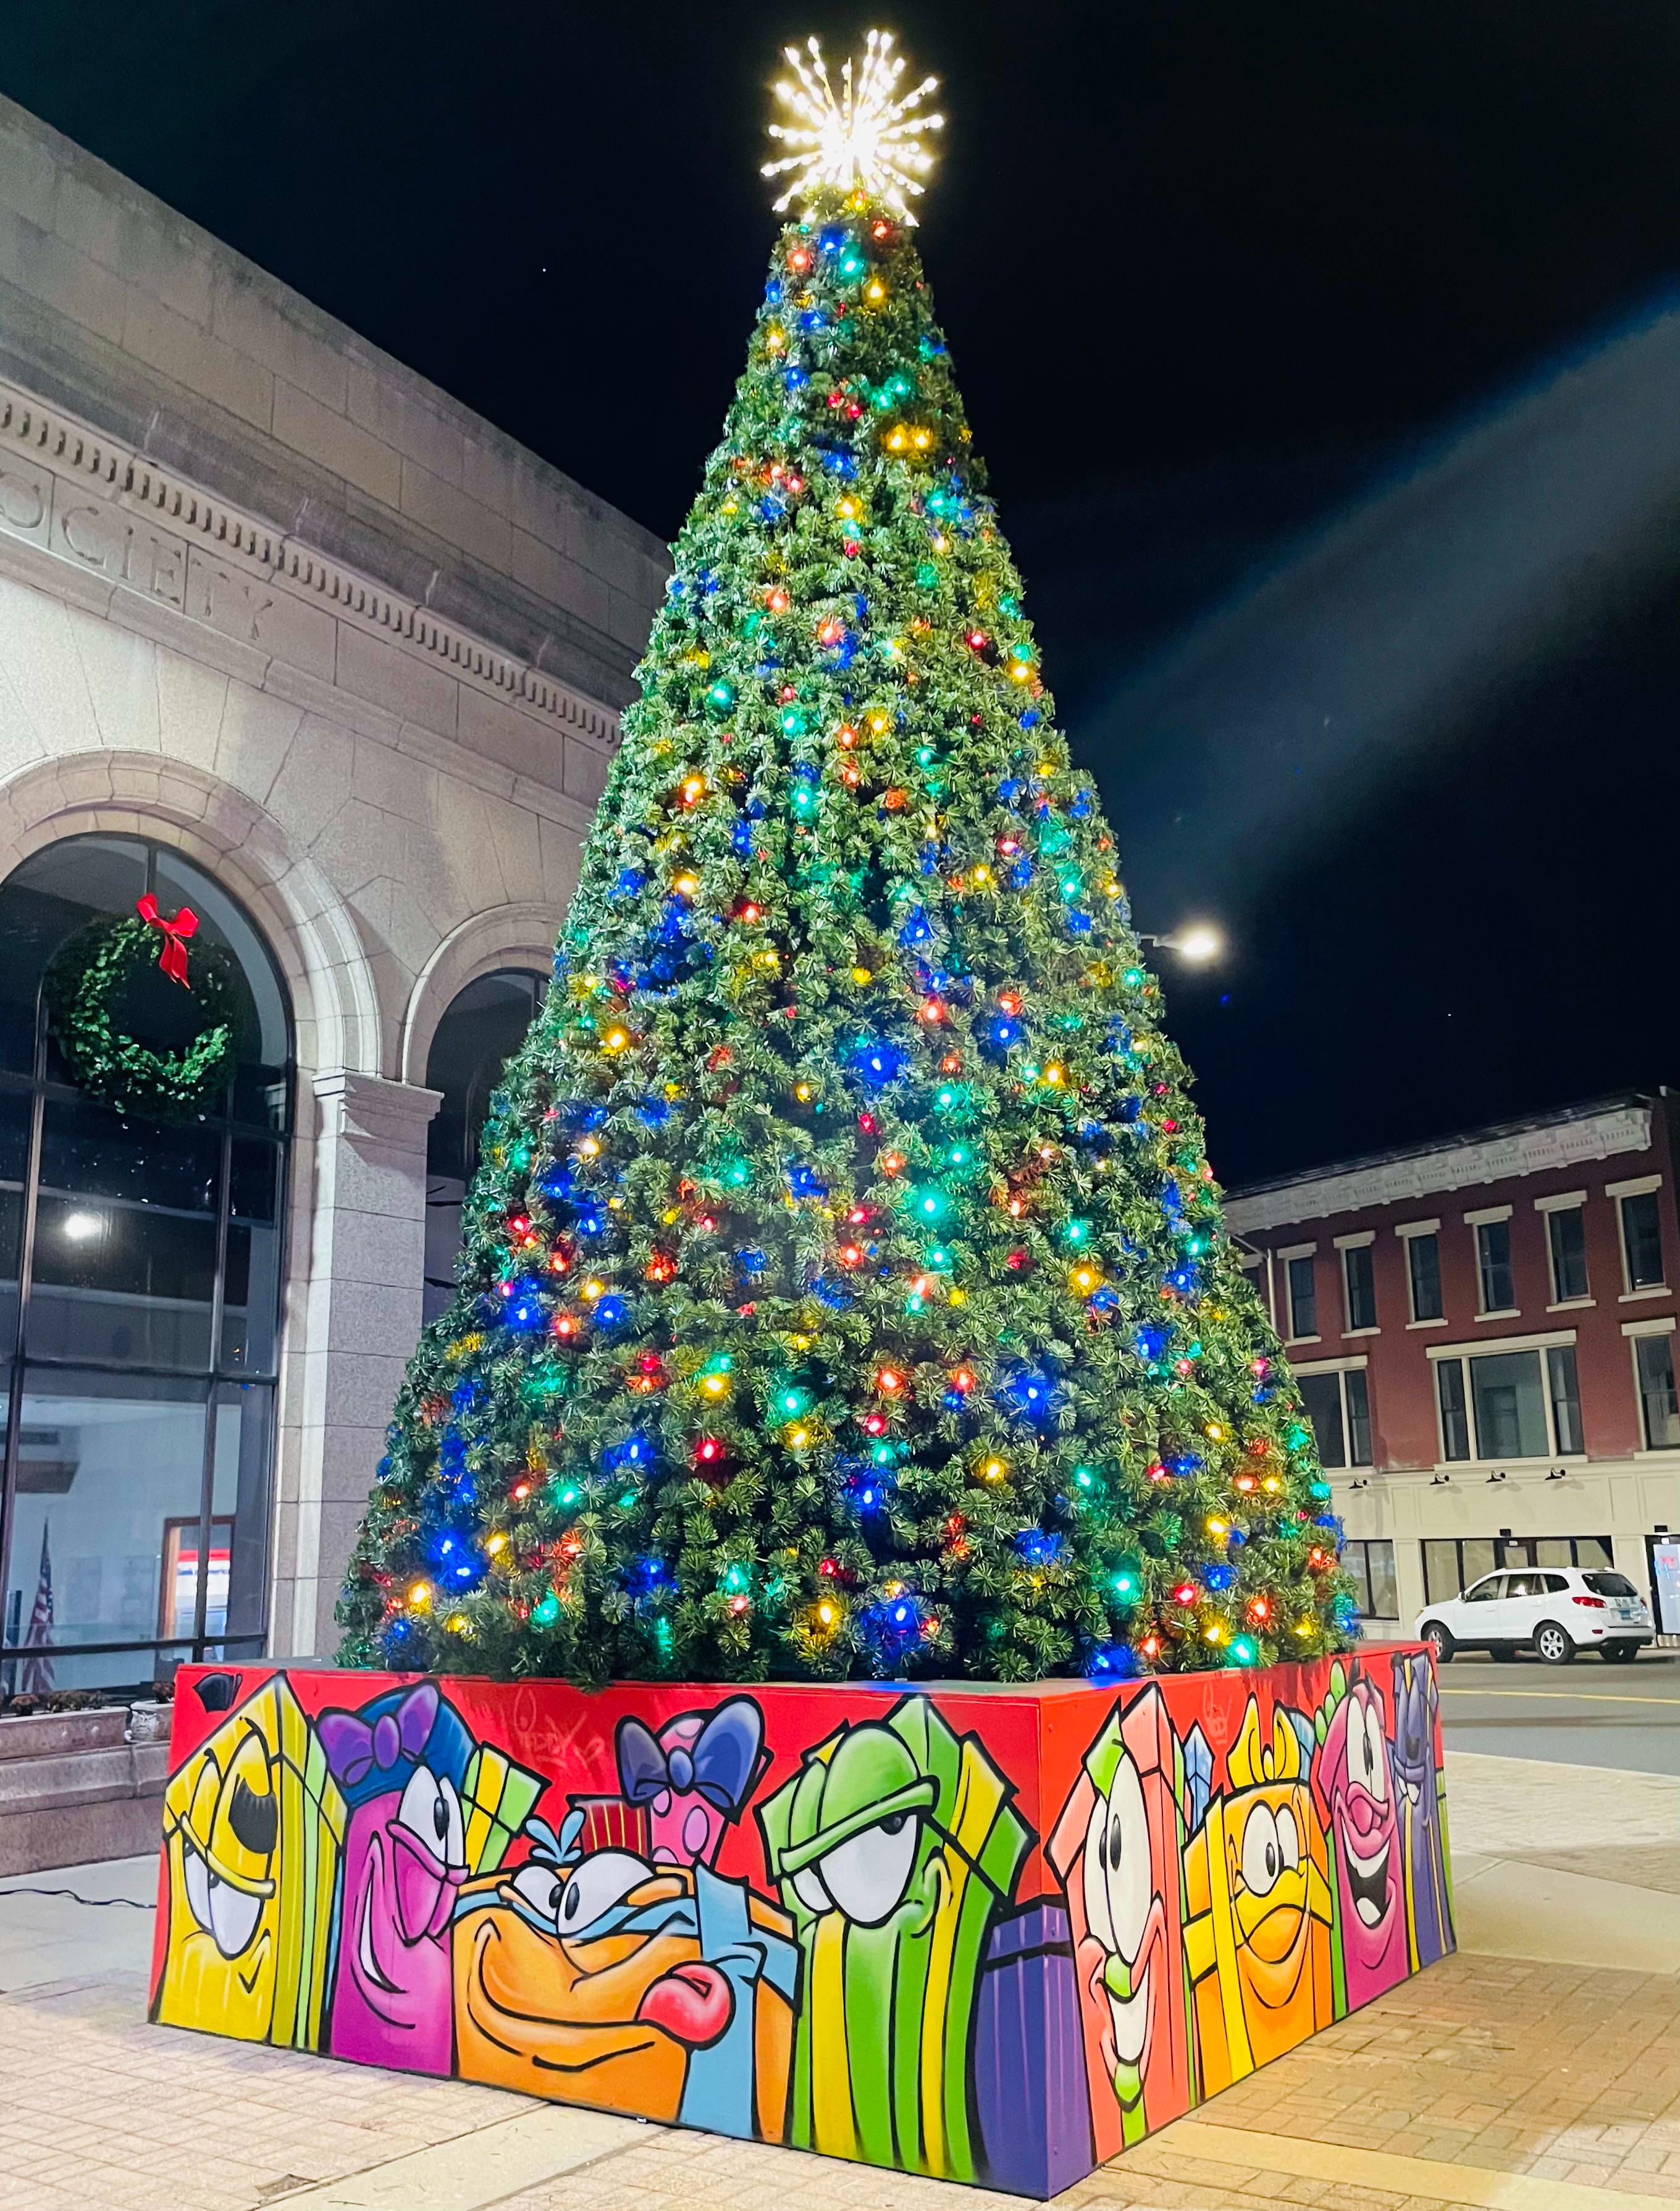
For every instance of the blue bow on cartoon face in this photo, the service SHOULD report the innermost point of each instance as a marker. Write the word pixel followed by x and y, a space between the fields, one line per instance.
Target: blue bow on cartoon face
pixel 720 1765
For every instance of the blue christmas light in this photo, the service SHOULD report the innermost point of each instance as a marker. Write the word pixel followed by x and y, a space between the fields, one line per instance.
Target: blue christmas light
pixel 1112 1661
pixel 805 1182
pixel 524 1305
pixel 917 929
pixel 1039 1547
pixel 1029 1394
pixel 612 1312
pixel 877 1061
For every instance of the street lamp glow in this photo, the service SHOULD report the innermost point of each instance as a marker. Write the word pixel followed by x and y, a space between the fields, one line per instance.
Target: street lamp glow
pixel 1200 942
pixel 79 1227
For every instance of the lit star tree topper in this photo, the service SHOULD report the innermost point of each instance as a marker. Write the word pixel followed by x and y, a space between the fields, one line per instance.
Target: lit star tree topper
pixel 870 137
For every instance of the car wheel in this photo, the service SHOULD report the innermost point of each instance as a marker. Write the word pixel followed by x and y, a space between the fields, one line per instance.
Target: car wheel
pixel 1553 1643
pixel 1619 1654
pixel 1439 1640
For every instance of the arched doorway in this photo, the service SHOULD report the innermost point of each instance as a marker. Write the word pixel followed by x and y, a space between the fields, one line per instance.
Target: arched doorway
pixel 481 1028
pixel 140 1281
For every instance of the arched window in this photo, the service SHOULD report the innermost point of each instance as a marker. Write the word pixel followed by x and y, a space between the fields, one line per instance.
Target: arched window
pixel 482 1026
pixel 140 1277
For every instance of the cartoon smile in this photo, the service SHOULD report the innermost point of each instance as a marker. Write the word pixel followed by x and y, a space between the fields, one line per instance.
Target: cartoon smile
pixel 1367 1880
pixel 372 1972
pixel 1131 2018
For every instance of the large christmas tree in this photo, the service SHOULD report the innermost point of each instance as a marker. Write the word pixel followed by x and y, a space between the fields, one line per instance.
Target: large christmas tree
pixel 844 1288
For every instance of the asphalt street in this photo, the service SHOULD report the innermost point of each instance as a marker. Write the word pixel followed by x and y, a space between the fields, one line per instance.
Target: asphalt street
pixel 1586 1714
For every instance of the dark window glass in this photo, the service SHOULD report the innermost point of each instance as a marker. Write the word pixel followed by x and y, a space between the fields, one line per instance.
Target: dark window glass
pixel 1321 1394
pixel 1566 1399
pixel 1487 1591
pixel 1384 1589
pixel 1303 1299
pixel 1454 1420
pixel 1642 1240
pixel 482 1028
pixel 1510 1411
pixel 1359 1417
pixel 1608 1585
pixel 1566 1234
pixel 1424 1267
pixel 1361 1286
pixel 1654 1358
pixel 137 1522
pixel 1493 1260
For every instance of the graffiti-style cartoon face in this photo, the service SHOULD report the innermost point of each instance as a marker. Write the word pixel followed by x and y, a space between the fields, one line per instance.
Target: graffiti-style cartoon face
pixel 1262 1959
pixel 1354 1782
pixel 693 1777
pixel 894 1846
pixel 251 1830
pixel 616 1981
pixel 1423 1809
pixel 427 1808
pixel 1118 1848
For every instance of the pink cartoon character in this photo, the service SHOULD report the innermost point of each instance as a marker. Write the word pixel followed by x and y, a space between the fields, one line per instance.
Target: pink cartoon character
pixel 1353 1779
pixel 693 1778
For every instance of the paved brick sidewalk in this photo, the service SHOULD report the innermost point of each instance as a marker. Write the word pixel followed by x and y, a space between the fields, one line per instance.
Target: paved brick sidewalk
pixel 1493 2083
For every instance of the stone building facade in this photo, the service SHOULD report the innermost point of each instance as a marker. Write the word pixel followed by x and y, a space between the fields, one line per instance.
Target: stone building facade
pixel 280 620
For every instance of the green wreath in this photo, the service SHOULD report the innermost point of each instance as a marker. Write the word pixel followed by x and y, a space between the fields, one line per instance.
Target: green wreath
pixel 84 980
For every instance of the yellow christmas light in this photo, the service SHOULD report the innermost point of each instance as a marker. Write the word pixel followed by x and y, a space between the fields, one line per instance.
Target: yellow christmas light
pixel 871 135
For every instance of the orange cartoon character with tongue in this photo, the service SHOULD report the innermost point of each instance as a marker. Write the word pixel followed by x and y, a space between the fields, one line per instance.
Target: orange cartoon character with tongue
pixel 1258 1940
pixel 664 1991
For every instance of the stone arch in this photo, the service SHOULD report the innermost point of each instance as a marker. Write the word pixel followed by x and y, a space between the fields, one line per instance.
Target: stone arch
pixel 309 928
pixel 514 936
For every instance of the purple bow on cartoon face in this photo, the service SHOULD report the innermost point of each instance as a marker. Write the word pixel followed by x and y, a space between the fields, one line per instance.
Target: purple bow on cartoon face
pixel 355 1747
pixel 719 1765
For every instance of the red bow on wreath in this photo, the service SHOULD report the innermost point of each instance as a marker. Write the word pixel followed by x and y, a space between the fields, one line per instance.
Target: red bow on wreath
pixel 172 958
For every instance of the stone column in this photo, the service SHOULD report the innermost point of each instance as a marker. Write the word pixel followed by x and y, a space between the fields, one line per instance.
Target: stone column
pixel 355 1317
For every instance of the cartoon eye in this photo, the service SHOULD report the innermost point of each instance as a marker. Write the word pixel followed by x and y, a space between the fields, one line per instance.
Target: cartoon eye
pixel 599 1882
pixel 1126 1860
pixel 233 1917
pixel 1289 1838
pixel 808 1888
pixel 1097 1917
pixel 1262 1854
pixel 868 1874
pixel 541 1888
pixel 430 1810
pixel 1376 1754
pixel 196 1876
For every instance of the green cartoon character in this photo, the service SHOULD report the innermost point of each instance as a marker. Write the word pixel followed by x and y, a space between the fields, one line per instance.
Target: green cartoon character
pixel 895 1847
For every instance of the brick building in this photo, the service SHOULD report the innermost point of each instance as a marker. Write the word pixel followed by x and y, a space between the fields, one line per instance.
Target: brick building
pixel 1483 1332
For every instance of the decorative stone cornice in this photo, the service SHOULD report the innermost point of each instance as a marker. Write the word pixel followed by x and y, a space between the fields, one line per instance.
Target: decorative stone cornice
pixel 1455 1166
pixel 70 448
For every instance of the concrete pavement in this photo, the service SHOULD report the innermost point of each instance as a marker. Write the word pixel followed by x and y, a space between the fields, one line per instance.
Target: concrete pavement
pixel 1539 2070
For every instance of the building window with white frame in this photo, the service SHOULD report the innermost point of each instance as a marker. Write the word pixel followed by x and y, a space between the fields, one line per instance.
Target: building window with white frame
pixel 1370 1562
pixel 1300 1288
pixel 1359 1286
pixel 1641 1238
pixel 1654 1373
pixel 1510 1404
pixel 1495 1280
pixel 1566 1250
pixel 1423 1274
pixel 1337 1402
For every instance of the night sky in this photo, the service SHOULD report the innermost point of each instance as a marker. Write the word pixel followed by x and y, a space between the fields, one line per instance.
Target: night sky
pixel 1321 355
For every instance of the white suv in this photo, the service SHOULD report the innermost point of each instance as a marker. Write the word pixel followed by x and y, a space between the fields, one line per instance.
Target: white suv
pixel 1553 1610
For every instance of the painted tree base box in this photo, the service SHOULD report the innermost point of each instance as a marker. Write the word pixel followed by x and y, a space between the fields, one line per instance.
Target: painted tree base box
pixel 993 1934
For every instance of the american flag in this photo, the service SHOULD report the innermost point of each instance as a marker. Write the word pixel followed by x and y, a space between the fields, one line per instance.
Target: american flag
pixel 35 1675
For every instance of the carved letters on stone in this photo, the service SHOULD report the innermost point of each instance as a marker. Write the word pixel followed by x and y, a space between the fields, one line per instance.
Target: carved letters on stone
pixel 26 500
pixel 128 548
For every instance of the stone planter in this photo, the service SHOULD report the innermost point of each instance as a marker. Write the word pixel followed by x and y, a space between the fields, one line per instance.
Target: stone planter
pixel 992 1934
pixel 75 1788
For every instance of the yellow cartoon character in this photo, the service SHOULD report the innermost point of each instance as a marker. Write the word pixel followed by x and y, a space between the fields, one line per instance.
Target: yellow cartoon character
pixel 253 1825
pixel 1259 1933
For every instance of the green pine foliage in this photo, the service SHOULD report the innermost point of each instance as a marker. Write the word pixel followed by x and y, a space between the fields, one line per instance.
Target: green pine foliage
pixel 844 1288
